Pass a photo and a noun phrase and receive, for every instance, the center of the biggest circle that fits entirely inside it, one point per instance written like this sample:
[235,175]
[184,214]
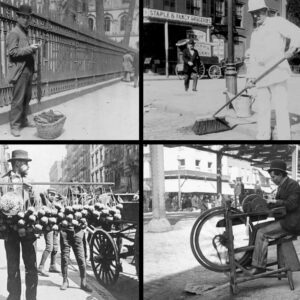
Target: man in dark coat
[14,242]
[20,70]
[288,195]
[191,65]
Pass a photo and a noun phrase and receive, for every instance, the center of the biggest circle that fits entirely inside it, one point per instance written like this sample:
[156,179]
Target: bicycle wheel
[209,240]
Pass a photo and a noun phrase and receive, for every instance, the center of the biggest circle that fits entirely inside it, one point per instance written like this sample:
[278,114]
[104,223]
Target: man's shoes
[64,285]
[28,124]
[53,269]
[42,272]
[255,271]
[194,90]
[15,132]
[86,288]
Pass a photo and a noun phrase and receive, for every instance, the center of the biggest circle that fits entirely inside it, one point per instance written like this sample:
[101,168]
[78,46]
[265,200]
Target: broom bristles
[210,125]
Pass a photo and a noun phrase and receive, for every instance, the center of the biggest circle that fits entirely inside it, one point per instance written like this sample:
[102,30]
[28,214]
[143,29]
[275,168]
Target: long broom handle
[254,82]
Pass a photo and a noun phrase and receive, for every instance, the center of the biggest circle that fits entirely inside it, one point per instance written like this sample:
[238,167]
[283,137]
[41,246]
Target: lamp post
[231,73]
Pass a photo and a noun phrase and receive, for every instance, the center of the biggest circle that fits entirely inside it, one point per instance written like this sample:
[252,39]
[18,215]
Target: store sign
[174,16]
[203,49]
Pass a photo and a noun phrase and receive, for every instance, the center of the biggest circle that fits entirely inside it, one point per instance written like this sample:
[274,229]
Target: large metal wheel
[104,258]
[179,71]
[209,240]
[137,251]
[214,72]
[201,71]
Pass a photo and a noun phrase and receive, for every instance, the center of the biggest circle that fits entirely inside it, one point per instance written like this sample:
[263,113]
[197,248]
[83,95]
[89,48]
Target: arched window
[91,24]
[107,24]
[123,22]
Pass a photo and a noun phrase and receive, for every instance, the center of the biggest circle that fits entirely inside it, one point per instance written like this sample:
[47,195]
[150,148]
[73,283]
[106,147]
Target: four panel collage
[149,149]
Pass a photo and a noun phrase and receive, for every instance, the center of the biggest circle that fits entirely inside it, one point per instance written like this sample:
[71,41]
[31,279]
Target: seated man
[288,195]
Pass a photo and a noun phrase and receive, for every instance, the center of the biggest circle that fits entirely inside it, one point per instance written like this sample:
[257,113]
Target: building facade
[169,21]
[118,164]
[76,165]
[115,19]
[56,175]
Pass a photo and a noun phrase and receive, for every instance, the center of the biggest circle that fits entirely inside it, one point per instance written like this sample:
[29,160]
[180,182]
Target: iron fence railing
[69,57]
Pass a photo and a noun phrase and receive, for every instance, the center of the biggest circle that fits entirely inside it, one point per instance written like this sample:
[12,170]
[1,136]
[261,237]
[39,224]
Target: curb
[59,98]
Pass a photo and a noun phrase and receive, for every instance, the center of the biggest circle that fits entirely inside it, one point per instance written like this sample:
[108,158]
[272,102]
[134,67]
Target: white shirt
[267,46]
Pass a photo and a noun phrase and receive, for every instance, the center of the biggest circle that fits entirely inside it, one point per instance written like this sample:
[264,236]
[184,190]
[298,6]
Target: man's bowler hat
[25,10]
[19,155]
[279,165]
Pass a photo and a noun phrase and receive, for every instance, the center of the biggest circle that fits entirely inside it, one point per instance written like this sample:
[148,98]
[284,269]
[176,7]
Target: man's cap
[51,190]
[279,165]
[256,5]
[19,155]
[25,10]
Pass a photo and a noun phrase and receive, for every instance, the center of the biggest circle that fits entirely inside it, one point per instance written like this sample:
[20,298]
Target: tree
[128,27]
[100,16]
[293,11]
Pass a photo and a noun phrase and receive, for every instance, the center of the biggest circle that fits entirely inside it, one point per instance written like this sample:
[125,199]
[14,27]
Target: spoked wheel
[179,71]
[209,240]
[214,72]
[201,72]
[105,258]
[136,251]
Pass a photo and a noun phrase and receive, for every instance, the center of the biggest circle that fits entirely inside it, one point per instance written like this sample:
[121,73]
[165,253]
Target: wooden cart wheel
[201,72]
[214,72]
[208,240]
[105,258]
[179,71]
[136,251]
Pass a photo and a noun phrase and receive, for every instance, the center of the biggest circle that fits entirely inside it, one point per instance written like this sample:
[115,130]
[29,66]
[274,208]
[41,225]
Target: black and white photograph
[221,221]
[69,221]
[69,70]
[221,70]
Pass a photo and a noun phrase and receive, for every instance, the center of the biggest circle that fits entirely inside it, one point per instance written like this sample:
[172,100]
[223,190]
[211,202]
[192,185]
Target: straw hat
[24,10]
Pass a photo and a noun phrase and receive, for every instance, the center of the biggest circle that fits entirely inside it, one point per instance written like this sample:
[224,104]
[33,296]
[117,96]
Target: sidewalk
[106,111]
[170,112]
[169,266]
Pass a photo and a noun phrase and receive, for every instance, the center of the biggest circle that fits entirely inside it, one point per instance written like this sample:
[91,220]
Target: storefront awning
[196,186]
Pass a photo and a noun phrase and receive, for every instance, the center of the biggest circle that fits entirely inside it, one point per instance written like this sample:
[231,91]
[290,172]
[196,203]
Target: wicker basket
[50,130]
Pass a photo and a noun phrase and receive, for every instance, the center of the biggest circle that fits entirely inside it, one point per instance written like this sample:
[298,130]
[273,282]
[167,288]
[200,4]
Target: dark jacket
[19,53]
[195,59]
[289,193]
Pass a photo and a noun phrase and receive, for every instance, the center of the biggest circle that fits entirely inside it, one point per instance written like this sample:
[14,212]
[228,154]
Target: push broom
[213,123]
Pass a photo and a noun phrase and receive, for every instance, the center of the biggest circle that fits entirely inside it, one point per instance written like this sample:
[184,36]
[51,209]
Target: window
[107,23]
[147,3]
[123,22]
[209,165]
[197,163]
[169,5]
[91,24]
[181,162]
[238,15]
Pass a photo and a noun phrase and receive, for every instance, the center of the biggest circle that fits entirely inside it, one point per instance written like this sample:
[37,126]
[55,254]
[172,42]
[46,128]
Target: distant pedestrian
[127,66]
[20,70]
[136,67]
[239,191]
[267,46]
[191,65]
